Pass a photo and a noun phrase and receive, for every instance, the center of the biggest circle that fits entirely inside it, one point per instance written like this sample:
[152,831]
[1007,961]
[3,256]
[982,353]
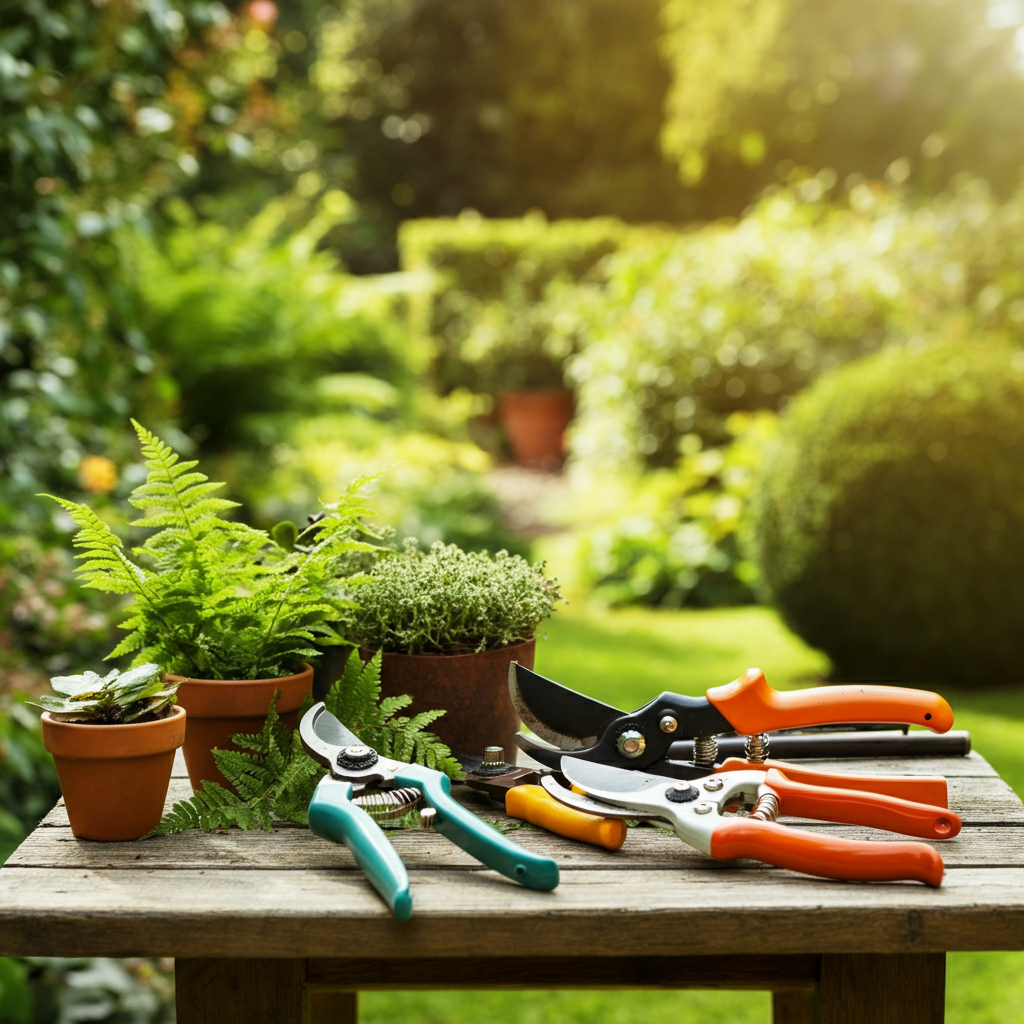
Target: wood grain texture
[561,972]
[240,991]
[873,989]
[329,1006]
[464,913]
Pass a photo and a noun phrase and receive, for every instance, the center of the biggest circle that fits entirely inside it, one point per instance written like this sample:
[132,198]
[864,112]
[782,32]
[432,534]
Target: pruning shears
[333,815]
[567,722]
[698,811]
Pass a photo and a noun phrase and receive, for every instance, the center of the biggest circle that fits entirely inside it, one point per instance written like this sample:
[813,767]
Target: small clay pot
[218,708]
[114,777]
[535,423]
[471,688]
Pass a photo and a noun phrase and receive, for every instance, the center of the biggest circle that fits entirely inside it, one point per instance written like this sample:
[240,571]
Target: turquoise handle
[476,837]
[332,816]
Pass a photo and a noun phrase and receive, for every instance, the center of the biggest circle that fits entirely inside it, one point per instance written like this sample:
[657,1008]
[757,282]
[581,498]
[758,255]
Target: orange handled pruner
[697,810]
[567,722]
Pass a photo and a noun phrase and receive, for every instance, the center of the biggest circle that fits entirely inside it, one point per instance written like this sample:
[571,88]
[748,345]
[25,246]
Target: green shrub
[686,329]
[28,780]
[256,324]
[889,523]
[672,537]
[485,313]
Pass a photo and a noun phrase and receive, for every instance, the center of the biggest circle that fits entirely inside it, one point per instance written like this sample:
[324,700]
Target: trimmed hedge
[485,313]
[889,522]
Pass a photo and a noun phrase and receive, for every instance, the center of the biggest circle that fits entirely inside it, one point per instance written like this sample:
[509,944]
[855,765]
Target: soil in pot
[114,777]
[471,688]
[219,708]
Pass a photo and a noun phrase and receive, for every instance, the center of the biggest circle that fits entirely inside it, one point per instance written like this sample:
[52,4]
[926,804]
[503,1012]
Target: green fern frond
[276,778]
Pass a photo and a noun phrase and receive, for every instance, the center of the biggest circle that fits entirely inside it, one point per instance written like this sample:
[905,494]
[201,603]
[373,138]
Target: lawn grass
[627,657]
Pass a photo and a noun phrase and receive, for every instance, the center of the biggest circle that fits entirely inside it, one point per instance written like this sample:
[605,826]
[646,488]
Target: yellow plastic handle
[538,807]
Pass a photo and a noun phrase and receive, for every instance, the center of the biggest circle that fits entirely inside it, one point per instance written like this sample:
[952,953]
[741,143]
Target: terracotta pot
[472,689]
[535,422]
[114,777]
[218,708]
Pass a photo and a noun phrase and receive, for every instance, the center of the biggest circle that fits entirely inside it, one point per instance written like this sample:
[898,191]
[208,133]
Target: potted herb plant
[449,623]
[113,741]
[228,612]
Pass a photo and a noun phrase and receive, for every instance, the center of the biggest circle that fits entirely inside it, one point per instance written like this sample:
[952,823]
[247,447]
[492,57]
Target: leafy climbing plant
[217,599]
[274,777]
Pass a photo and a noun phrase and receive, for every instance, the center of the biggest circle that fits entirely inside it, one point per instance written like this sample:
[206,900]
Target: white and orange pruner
[702,813]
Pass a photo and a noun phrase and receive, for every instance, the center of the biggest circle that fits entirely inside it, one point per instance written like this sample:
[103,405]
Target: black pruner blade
[565,721]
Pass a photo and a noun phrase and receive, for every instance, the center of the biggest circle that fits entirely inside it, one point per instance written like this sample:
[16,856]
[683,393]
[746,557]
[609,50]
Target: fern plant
[275,777]
[213,598]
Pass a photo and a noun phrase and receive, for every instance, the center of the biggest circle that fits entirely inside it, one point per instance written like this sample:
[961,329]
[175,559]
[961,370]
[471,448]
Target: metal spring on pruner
[766,808]
[387,806]
[705,751]
[756,747]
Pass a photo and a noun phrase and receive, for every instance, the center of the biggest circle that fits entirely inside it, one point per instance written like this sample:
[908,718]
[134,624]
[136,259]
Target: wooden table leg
[877,988]
[241,991]
[795,1006]
[327,1007]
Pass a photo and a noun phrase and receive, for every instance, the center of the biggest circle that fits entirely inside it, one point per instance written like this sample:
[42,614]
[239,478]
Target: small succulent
[116,698]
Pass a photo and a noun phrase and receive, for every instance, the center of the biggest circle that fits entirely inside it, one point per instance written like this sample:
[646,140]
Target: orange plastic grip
[852,807]
[825,856]
[752,706]
[922,789]
[538,807]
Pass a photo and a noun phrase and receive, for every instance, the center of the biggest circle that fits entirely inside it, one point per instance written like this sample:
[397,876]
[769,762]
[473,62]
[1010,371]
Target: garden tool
[697,811]
[567,722]
[333,815]
[519,792]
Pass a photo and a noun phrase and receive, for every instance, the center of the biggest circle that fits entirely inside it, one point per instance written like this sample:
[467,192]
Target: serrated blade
[569,720]
[597,779]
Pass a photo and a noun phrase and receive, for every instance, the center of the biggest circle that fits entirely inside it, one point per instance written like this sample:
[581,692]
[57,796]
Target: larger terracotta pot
[114,777]
[471,688]
[535,422]
[218,708]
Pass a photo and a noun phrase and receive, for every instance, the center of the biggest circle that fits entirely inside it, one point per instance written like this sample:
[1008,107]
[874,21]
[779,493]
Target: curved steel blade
[597,779]
[588,806]
[323,735]
[569,720]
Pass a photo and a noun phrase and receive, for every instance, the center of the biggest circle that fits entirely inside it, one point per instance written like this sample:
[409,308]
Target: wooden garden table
[282,928]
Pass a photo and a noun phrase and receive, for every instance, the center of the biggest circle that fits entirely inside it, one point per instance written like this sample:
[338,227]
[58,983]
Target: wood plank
[907,988]
[562,972]
[297,849]
[241,991]
[223,913]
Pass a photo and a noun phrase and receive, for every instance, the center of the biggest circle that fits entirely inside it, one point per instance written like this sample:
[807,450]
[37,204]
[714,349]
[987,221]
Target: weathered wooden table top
[289,894]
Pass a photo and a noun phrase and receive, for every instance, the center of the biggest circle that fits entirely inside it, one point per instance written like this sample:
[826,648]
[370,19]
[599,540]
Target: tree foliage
[497,105]
[922,88]
[105,108]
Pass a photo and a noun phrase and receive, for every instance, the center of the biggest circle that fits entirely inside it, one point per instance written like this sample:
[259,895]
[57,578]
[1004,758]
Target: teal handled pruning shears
[333,816]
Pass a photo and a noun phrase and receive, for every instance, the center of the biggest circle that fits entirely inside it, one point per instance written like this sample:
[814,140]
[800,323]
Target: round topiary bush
[889,520]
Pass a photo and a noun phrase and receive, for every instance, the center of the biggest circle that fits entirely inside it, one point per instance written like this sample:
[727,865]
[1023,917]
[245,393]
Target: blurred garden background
[765,259]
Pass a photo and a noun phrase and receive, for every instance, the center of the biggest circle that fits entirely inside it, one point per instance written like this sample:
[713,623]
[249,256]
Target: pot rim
[113,741]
